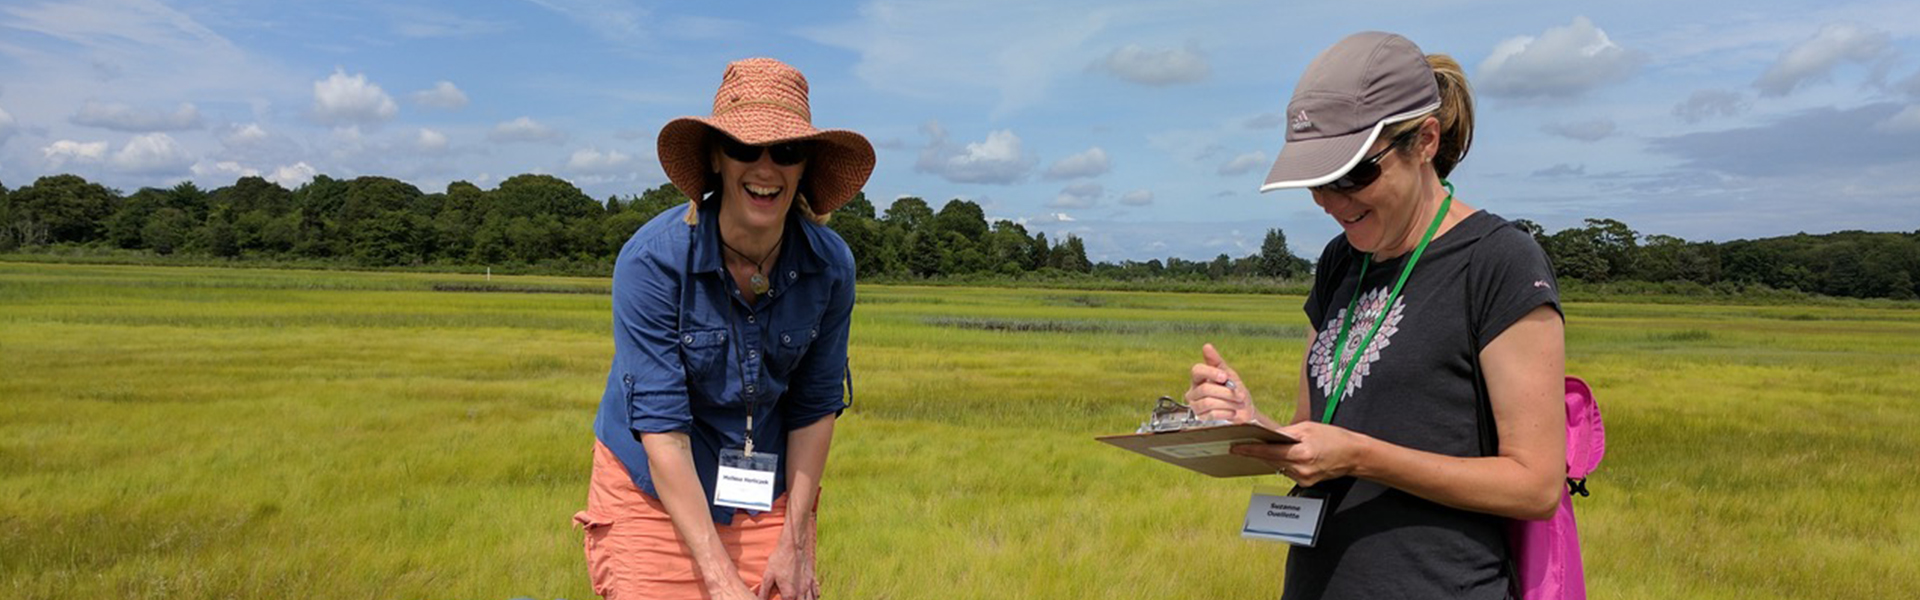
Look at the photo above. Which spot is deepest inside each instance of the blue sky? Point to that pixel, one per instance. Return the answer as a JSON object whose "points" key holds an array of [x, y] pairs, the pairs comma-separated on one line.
{"points": [[1143, 127]]}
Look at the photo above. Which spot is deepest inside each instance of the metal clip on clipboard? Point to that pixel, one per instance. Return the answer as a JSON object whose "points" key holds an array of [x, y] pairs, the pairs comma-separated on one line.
{"points": [[1170, 415], [1173, 434]]}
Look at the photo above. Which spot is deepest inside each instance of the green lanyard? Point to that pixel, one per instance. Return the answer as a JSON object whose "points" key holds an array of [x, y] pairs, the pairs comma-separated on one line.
{"points": [[1340, 343]]}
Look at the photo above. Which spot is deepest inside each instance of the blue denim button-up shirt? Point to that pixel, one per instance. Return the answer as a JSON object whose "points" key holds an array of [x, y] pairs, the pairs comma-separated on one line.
{"points": [[689, 353]]}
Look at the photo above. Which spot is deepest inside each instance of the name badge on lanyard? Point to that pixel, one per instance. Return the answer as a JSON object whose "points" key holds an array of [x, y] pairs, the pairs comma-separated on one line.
{"points": [[1292, 517], [746, 481]]}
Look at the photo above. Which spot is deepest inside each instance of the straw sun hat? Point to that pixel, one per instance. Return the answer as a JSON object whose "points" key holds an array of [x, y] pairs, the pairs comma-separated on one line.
{"points": [[763, 102]]}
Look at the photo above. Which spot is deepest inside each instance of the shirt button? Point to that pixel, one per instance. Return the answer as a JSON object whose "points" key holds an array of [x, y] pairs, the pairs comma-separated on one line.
{"points": [[749, 318], [686, 340], [791, 275], [749, 389], [753, 354], [784, 339]]}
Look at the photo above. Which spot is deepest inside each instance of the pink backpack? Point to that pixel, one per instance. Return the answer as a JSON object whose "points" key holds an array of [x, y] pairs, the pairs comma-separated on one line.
{"points": [[1546, 554]]}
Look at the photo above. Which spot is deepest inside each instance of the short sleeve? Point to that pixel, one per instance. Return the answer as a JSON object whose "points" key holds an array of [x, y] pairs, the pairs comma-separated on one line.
{"points": [[1332, 266], [646, 353], [1508, 277]]}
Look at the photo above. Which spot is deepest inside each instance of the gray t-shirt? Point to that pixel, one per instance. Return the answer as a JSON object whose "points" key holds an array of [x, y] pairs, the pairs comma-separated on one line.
{"points": [[1414, 387]]}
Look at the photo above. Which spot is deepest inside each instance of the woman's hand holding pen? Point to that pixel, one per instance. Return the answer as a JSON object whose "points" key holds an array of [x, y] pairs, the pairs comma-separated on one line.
{"points": [[1217, 393]]}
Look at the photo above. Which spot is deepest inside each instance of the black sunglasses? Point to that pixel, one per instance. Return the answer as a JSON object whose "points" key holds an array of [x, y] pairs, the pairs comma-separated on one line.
{"points": [[1365, 173], [786, 154]]}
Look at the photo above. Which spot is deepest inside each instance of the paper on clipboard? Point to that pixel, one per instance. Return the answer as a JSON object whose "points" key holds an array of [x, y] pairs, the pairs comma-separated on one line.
{"points": [[1198, 445]]}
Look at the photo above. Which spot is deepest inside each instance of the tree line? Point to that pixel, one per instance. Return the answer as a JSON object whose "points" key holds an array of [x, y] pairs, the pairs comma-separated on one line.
{"points": [[544, 223], [539, 222], [1853, 264]]}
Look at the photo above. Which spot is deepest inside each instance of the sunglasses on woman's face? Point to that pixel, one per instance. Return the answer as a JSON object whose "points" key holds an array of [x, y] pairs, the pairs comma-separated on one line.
{"points": [[786, 155], [1363, 174]]}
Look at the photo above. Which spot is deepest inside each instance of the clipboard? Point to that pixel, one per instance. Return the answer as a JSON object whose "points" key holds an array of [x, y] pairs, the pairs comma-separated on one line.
{"points": [[1172, 434]]}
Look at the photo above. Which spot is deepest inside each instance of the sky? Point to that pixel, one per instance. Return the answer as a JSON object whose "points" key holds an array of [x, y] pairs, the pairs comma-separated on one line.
{"points": [[1145, 128]]}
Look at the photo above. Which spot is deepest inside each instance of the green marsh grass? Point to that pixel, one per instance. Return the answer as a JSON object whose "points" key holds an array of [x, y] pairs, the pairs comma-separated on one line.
{"points": [[214, 433]]}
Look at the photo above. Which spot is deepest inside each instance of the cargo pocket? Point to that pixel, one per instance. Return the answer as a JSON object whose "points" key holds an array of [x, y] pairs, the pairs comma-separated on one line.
{"points": [[601, 570]]}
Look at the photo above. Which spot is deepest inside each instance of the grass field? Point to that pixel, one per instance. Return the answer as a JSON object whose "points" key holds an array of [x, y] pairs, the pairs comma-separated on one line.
{"points": [[230, 433]]}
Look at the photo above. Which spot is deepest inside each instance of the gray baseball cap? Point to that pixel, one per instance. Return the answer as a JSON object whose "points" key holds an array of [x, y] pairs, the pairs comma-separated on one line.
{"points": [[1352, 91]]}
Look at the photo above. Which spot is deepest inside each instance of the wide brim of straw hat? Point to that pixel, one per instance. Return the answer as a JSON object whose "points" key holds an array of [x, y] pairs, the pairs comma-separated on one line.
{"points": [[838, 168]]}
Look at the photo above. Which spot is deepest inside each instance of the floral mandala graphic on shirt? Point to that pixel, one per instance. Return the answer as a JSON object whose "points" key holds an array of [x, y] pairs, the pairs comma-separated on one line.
{"points": [[1325, 375]]}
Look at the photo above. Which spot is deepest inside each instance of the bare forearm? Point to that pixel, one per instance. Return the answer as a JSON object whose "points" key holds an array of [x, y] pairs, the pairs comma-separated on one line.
{"points": [[806, 459], [1498, 485], [1524, 369], [670, 460]]}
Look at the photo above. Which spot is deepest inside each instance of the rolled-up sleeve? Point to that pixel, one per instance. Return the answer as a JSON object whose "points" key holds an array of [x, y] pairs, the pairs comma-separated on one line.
{"points": [[815, 390], [646, 305]]}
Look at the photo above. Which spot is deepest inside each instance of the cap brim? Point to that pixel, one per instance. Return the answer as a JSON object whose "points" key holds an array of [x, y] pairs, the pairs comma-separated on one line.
{"points": [[1307, 163]]}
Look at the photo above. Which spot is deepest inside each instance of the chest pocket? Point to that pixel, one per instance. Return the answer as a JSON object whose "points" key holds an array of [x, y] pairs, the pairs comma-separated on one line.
{"points": [[790, 346], [703, 353]]}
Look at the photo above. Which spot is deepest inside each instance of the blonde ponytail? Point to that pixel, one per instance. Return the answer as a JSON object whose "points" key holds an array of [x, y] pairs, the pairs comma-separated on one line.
{"points": [[1455, 115]]}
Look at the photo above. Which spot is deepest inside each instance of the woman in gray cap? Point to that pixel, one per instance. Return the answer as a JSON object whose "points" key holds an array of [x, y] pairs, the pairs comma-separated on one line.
{"points": [[1419, 307]]}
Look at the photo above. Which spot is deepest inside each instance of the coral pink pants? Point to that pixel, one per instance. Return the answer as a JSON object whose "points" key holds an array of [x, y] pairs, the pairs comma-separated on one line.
{"points": [[634, 552]]}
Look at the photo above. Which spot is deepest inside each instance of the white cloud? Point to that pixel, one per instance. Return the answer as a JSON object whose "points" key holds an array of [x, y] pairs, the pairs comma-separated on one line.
{"points": [[1591, 130], [343, 100], [1014, 49], [152, 154], [1155, 67], [61, 152], [1705, 104], [225, 169], [1049, 218], [995, 160], [444, 95], [120, 117], [348, 139], [1245, 163], [430, 141], [1813, 60], [1822, 144], [6, 126], [1562, 170], [1137, 198], [615, 20], [245, 135], [1085, 194], [591, 161], [525, 129], [1562, 62], [421, 22], [1091, 163], [294, 175], [1905, 121], [1910, 86], [74, 51]]}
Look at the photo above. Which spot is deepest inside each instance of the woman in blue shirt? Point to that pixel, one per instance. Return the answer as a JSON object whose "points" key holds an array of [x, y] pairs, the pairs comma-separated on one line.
{"points": [[730, 321]]}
